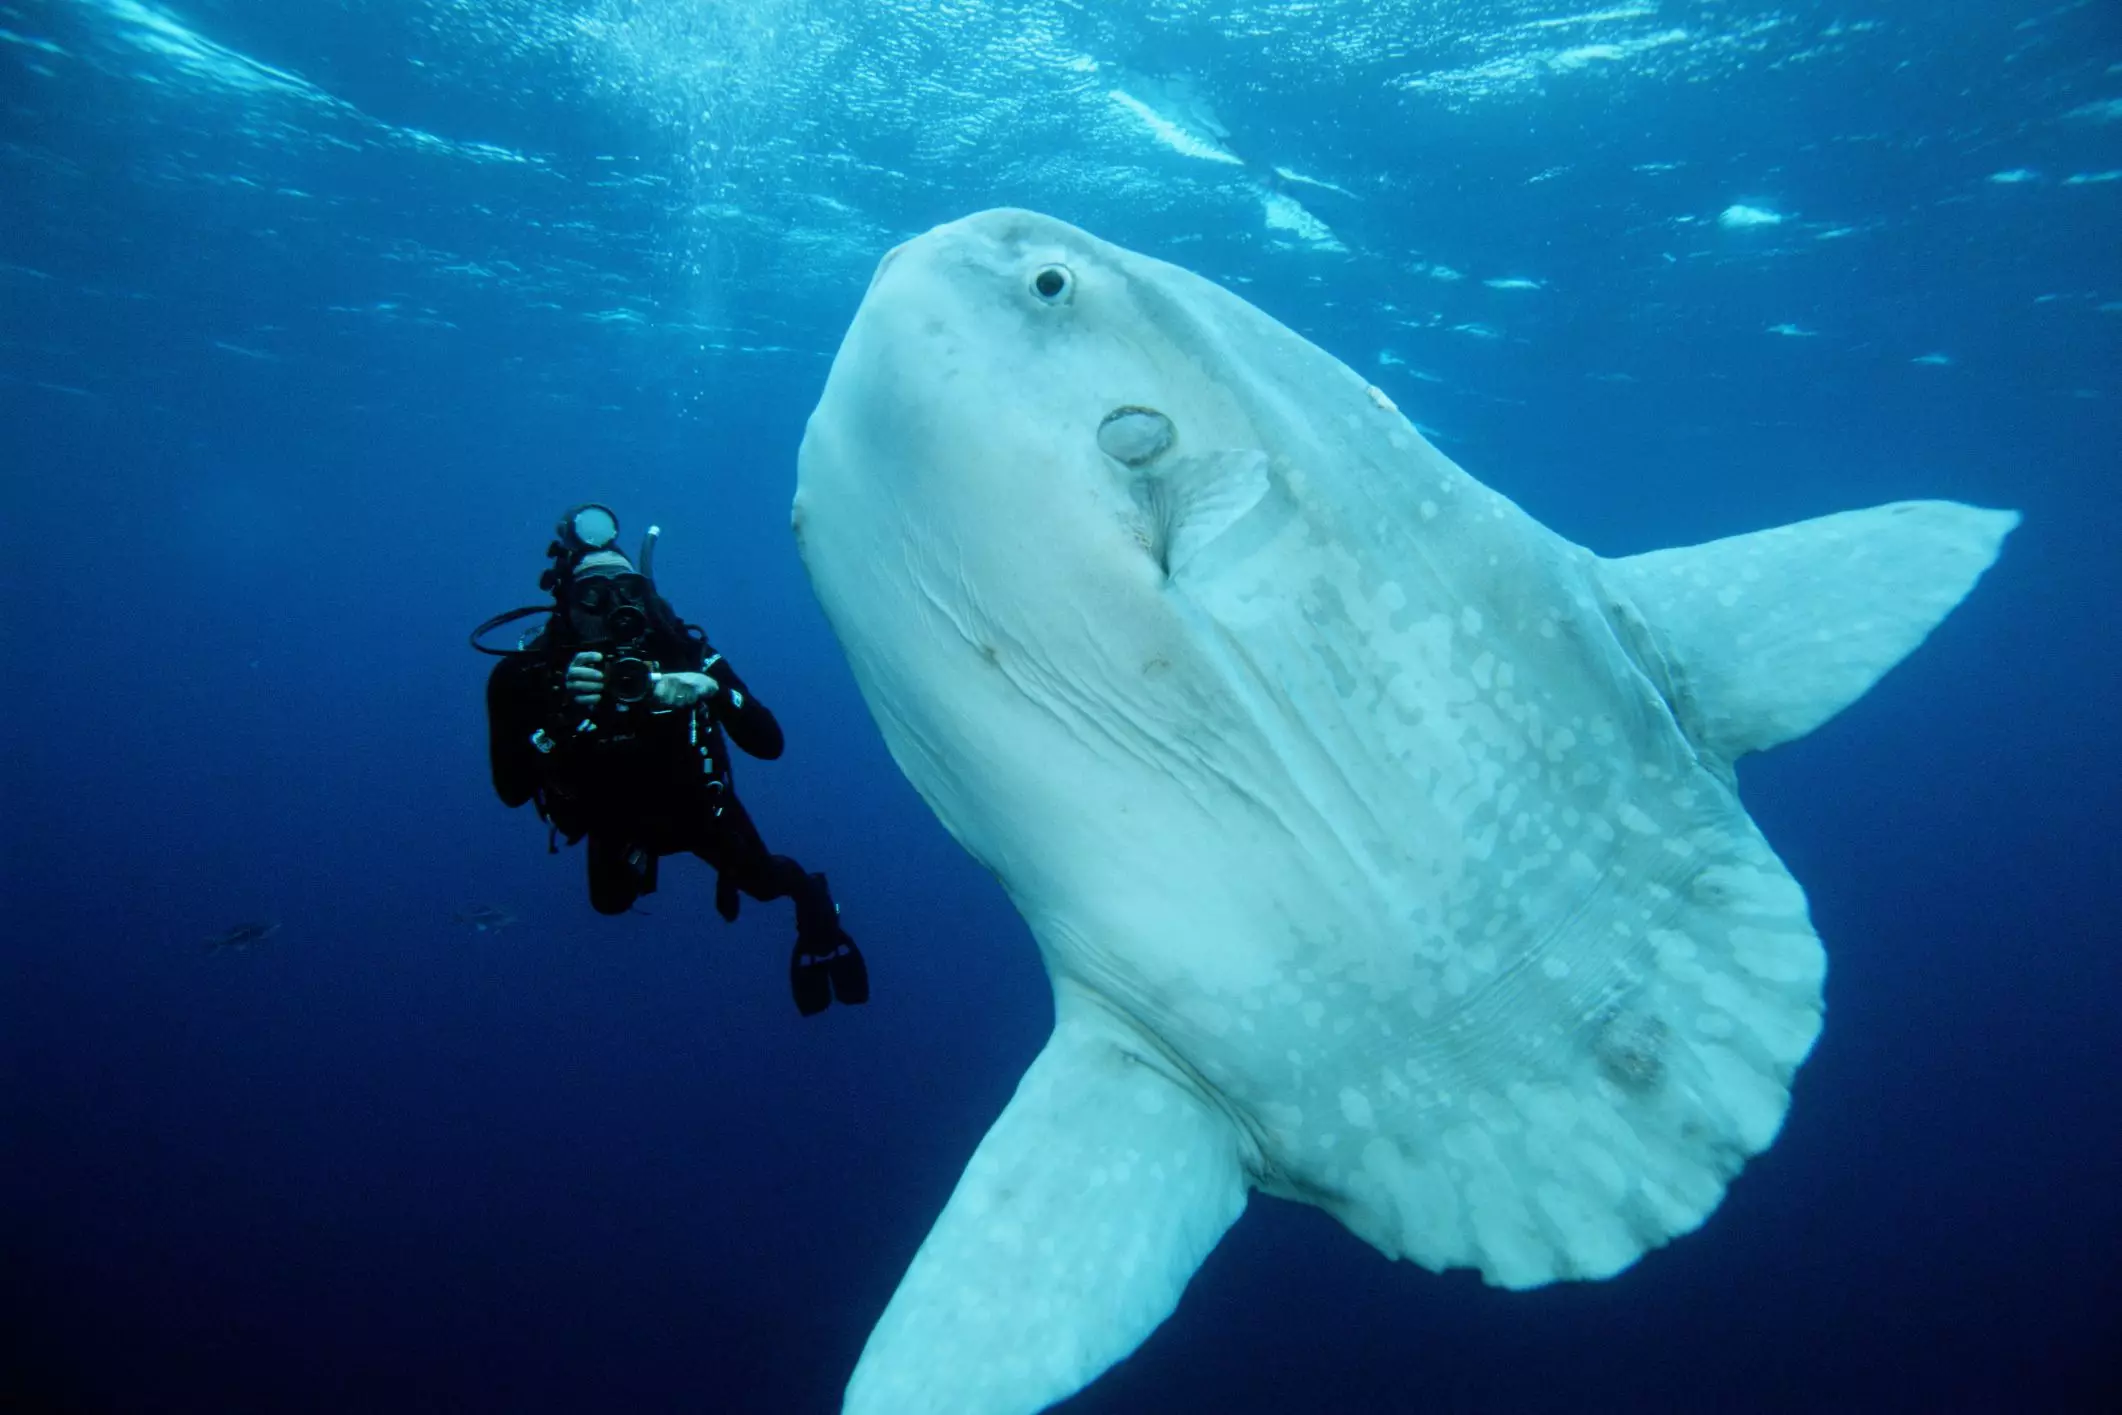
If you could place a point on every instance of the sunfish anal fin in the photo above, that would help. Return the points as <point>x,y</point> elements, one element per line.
<point>1760,638</point>
<point>1071,1234</point>
<point>1192,500</point>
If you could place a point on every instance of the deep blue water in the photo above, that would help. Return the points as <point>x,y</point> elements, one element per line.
<point>313,316</point>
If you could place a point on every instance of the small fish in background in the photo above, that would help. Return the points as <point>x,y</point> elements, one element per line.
<point>483,918</point>
<point>242,938</point>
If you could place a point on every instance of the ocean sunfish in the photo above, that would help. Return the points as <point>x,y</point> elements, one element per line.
<point>1382,845</point>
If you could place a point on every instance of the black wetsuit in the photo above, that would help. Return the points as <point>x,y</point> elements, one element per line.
<point>641,783</point>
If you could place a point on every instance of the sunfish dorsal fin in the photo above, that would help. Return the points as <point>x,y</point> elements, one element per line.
<point>1191,500</point>
<point>1070,1236</point>
<point>1761,638</point>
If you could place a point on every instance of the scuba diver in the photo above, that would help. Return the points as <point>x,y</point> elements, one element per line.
<point>611,718</point>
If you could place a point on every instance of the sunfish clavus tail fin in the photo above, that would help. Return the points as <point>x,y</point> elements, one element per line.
<point>1075,1227</point>
<point>1761,638</point>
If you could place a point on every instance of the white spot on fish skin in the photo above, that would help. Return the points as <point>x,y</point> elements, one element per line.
<point>1555,968</point>
<point>1356,1109</point>
<point>1470,619</point>
<point>1312,1012</point>
<point>1428,510</point>
<point>1777,956</point>
<point>1634,818</point>
<point>1674,949</point>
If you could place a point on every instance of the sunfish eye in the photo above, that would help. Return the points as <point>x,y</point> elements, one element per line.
<point>1135,435</point>
<point>1052,283</point>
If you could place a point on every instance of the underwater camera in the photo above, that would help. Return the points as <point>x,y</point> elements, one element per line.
<point>628,679</point>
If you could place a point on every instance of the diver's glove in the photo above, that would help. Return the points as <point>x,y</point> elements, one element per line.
<point>585,680</point>
<point>678,690</point>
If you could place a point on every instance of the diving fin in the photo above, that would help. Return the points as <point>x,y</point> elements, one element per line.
<point>826,964</point>
<point>850,974</point>
<point>808,982</point>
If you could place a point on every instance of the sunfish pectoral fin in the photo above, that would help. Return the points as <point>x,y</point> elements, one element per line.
<point>1761,638</point>
<point>1191,500</point>
<point>1069,1238</point>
